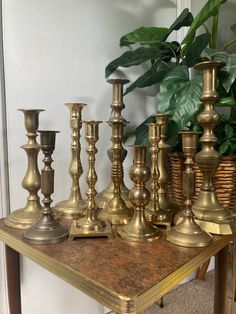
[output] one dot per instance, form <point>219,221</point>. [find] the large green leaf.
<point>210,9</point>
<point>144,36</point>
<point>227,74</point>
<point>152,76</point>
<point>193,55</point>
<point>179,96</point>
<point>184,19</point>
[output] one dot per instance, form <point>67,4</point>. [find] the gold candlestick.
<point>139,229</point>
<point>91,226</point>
<point>116,210</point>
<point>75,206</point>
<point>207,209</point>
<point>188,233</point>
<point>24,217</point>
<point>47,230</point>
<point>117,106</point>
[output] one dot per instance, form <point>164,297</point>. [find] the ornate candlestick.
<point>47,230</point>
<point>91,226</point>
<point>24,217</point>
<point>164,202</point>
<point>117,106</point>
<point>207,209</point>
<point>116,210</point>
<point>75,206</point>
<point>139,229</point>
<point>188,233</point>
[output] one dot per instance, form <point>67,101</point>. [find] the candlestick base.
<point>164,219</point>
<point>70,210</point>
<point>178,218</point>
<point>224,227</point>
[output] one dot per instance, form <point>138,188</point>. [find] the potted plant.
<point>170,67</point>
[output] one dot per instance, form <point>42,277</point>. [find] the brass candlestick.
<point>24,217</point>
<point>91,226</point>
<point>47,230</point>
<point>188,233</point>
<point>116,210</point>
<point>164,201</point>
<point>207,209</point>
<point>75,206</point>
<point>116,116</point>
<point>139,229</point>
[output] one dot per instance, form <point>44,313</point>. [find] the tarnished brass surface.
<point>207,206</point>
<point>164,202</point>
<point>75,206</point>
<point>116,211</point>
<point>139,229</point>
<point>117,106</point>
<point>24,217</point>
<point>188,233</point>
<point>47,230</point>
<point>91,226</point>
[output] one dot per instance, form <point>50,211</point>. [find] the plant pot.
<point>224,180</point>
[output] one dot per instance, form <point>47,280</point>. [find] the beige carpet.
<point>194,297</point>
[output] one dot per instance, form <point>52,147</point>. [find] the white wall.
<point>56,52</point>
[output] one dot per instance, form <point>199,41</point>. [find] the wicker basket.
<point>224,180</point>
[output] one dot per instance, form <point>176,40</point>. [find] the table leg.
<point>13,280</point>
<point>220,298</point>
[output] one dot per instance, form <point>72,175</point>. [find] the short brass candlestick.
<point>188,233</point>
<point>91,226</point>
<point>117,106</point>
<point>207,209</point>
<point>47,230</point>
<point>164,201</point>
<point>75,206</point>
<point>116,210</point>
<point>139,229</point>
<point>24,217</point>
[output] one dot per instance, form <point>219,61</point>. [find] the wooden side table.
<point>124,277</point>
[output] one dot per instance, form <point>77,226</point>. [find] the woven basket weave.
<point>224,180</point>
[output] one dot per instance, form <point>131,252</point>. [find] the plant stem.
<point>229,43</point>
<point>214,30</point>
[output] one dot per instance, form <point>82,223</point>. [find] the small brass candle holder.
<point>116,210</point>
<point>47,230</point>
<point>139,229</point>
<point>24,217</point>
<point>188,233</point>
<point>75,206</point>
<point>117,106</point>
<point>207,210</point>
<point>91,226</point>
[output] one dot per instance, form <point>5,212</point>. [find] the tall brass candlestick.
<point>91,226</point>
<point>188,233</point>
<point>47,230</point>
<point>117,106</point>
<point>139,229</point>
<point>24,217</point>
<point>116,210</point>
<point>75,206</point>
<point>207,209</point>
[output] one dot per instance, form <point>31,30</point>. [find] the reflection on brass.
<point>188,233</point>
<point>24,217</point>
<point>117,106</point>
<point>139,229</point>
<point>91,226</point>
<point>47,230</point>
<point>207,206</point>
<point>164,201</point>
<point>116,210</point>
<point>75,206</point>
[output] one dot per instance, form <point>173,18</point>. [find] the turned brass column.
<point>91,226</point>
<point>116,210</point>
<point>139,229</point>
<point>207,209</point>
<point>117,106</point>
<point>24,217</point>
<point>47,230</point>
<point>188,233</point>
